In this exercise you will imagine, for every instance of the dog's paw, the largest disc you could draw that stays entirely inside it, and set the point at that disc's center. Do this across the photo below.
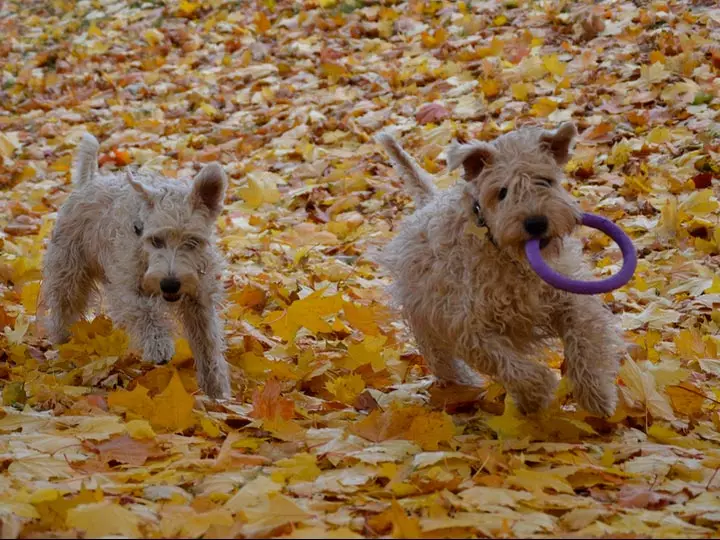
(535, 393)
(597, 398)
(159, 351)
(214, 378)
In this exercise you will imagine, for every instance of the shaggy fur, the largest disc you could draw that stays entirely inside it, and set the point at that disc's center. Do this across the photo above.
(149, 242)
(464, 284)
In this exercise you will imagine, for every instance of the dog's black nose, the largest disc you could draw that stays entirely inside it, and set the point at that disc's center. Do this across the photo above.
(170, 285)
(536, 225)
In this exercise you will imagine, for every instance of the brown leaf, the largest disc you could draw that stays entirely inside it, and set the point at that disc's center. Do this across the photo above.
(431, 113)
(642, 497)
(125, 449)
(703, 180)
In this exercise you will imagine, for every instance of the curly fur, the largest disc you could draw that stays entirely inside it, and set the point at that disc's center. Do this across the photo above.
(129, 234)
(472, 301)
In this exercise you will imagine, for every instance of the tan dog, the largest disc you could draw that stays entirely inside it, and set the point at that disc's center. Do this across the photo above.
(150, 242)
(464, 284)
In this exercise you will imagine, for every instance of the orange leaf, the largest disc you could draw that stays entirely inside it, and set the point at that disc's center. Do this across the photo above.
(383, 425)
(686, 398)
(361, 317)
(404, 526)
(262, 23)
(268, 405)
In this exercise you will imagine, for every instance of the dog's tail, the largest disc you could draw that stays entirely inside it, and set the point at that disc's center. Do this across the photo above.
(85, 162)
(418, 180)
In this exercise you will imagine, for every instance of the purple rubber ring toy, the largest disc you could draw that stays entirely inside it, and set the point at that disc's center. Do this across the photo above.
(559, 281)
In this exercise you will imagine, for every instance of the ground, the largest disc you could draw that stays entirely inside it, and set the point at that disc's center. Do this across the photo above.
(335, 428)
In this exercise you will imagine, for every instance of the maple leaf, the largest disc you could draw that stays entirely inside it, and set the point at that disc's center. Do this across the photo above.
(431, 429)
(289, 109)
(125, 449)
(431, 113)
(173, 407)
(539, 481)
(639, 387)
(136, 401)
(274, 512)
(268, 405)
(686, 398)
(403, 526)
(361, 317)
(346, 389)
(103, 519)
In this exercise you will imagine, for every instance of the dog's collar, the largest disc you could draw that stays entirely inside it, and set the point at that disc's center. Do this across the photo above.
(480, 220)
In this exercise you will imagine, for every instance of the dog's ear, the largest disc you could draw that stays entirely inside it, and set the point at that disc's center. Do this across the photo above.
(208, 189)
(145, 192)
(473, 158)
(558, 142)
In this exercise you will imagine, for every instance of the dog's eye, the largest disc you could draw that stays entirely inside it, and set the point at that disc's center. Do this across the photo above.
(191, 243)
(546, 181)
(157, 242)
(502, 194)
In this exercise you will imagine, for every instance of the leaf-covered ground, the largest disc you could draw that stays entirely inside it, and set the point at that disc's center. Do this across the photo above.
(335, 429)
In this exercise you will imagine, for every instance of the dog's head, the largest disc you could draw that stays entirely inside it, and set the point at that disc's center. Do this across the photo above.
(514, 184)
(176, 230)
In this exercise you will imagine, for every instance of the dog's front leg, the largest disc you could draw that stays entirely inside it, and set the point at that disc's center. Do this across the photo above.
(204, 333)
(593, 347)
(145, 321)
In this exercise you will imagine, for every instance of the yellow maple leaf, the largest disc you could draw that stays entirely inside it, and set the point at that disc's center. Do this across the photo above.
(137, 401)
(553, 64)
(658, 135)
(361, 317)
(639, 390)
(173, 407)
(273, 512)
(347, 388)
(512, 424)
(431, 429)
(103, 519)
(197, 524)
(367, 352)
(686, 398)
(29, 296)
(186, 9)
(140, 429)
(299, 468)
(539, 481)
(543, 106)
(309, 312)
(153, 36)
(520, 90)
(261, 188)
(403, 526)
(700, 203)
(714, 288)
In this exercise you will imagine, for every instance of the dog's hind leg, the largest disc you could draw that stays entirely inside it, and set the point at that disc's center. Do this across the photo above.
(66, 289)
(530, 383)
(443, 363)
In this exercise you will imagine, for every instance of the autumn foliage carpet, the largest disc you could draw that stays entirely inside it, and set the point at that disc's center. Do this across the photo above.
(335, 429)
